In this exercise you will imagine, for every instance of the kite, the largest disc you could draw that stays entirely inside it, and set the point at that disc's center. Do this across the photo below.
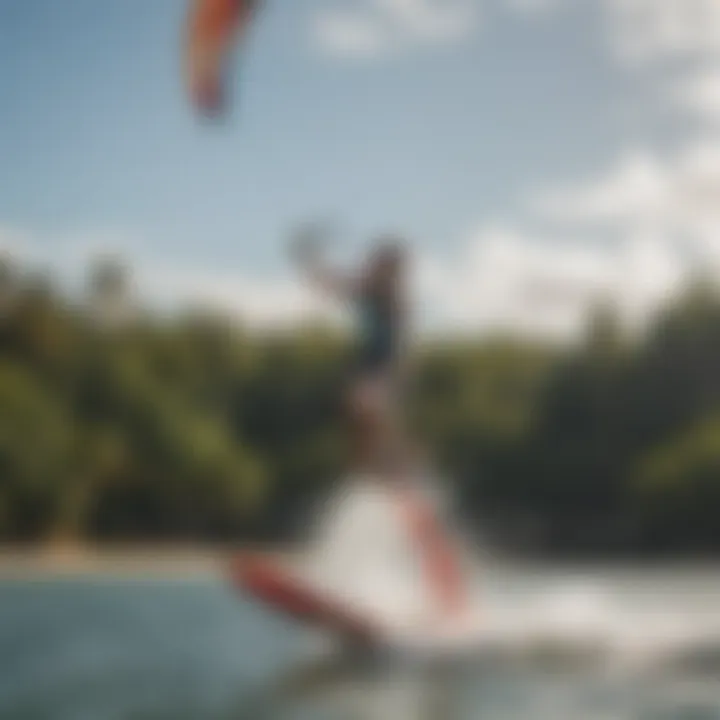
(215, 27)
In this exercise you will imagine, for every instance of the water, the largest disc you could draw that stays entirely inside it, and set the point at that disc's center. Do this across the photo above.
(603, 645)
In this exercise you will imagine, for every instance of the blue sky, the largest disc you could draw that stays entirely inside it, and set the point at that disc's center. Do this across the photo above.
(449, 121)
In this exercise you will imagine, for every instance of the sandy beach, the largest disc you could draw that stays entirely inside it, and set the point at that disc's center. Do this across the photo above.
(137, 561)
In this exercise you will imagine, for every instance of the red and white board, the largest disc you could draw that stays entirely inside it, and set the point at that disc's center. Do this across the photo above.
(293, 594)
(268, 582)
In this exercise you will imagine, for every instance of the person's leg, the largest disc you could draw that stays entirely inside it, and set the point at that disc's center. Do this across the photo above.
(364, 423)
(377, 428)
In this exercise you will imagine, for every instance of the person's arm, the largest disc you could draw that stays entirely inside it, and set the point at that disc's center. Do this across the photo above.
(306, 252)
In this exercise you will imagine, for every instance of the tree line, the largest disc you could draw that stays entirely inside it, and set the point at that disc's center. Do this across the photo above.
(188, 426)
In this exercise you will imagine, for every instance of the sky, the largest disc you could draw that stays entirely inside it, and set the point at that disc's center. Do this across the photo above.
(536, 154)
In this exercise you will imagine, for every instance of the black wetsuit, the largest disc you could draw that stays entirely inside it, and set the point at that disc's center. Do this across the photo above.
(378, 335)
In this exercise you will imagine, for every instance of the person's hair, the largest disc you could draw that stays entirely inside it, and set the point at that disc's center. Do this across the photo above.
(389, 248)
(388, 253)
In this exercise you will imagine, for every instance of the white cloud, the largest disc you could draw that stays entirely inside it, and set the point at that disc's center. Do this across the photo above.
(379, 27)
(14, 244)
(662, 213)
(700, 94)
(494, 284)
(648, 30)
(501, 280)
(269, 303)
(431, 20)
(678, 198)
(265, 303)
(681, 36)
(347, 36)
(506, 281)
(637, 186)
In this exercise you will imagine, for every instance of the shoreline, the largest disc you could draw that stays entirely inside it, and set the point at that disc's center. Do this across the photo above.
(138, 561)
(188, 561)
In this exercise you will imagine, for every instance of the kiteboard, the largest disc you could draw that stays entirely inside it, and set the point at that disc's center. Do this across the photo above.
(288, 594)
(434, 616)
(278, 588)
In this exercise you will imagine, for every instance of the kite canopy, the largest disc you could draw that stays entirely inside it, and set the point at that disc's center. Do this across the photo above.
(214, 29)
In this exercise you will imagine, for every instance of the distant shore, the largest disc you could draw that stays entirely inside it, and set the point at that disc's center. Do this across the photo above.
(134, 560)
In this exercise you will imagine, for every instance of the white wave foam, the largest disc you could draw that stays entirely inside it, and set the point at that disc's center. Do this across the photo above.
(364, 557)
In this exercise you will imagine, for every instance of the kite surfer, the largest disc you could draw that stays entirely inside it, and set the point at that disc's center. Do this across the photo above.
(373, 397)
(352, 583)
(374, 402)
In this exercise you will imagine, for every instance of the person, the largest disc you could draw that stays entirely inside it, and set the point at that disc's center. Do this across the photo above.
(373, 397)
(374, 401)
